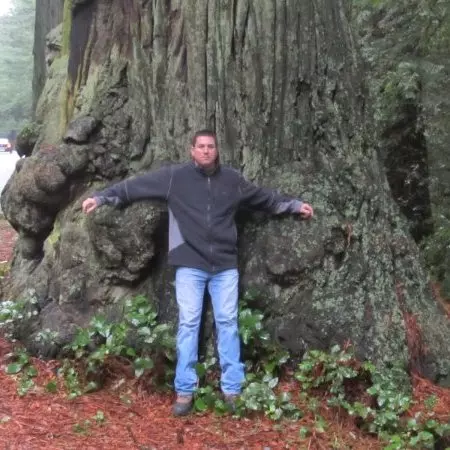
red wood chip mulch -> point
(134, 419)
(140, 420)
(7, 239)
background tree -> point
(405, 45)
(282, 84)
(16, 65)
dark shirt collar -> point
(207, 172)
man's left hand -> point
(306, 211)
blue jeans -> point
(190, 287)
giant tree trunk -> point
(280, 81)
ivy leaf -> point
(32, 371)
(145, 331)
(51, 386)
(200, 369)
(304, 432)
(273, 382)
(141, 364)
(91, 386)
(200, 404)
(130, 352)
(285, 397)
(13, 368)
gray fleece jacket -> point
(202, 206)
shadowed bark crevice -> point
(407, 171)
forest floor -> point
(127, 415)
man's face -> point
(205, 152)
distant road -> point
(7, 165)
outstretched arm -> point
(268, 200)
(152, 185)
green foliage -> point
(259, 395)
(30, 130)
(71, 379)
(21, 361)
(95, 345)
(85, 426)
(16, 65)
(207, 398)
(430, 402)
(111, 338)
(264, 362)
(405, 45)
(392, 399)
(27, 138)
(13, 312)
(10, 314)
(51, 387)
(334, 368)
(385, 391)
(389, 397)
(22, 367)
(46, 336)
(397, 89)
(207, 371)
(259, 352)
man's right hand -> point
(89, 205)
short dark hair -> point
(204, 132)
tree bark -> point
(282, 84)
(48, 16)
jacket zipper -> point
(208, 221)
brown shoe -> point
(183, 405)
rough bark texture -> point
(48, 16)
(281, 83)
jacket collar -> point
(207, 172)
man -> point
(202, 198)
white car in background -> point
(5, 145)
